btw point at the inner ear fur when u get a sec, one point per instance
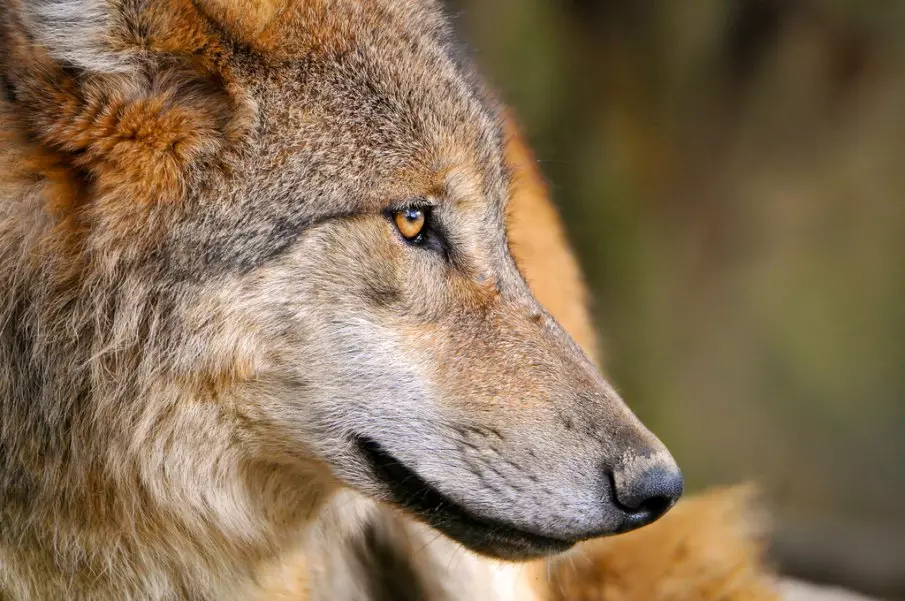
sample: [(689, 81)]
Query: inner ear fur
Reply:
[(133, 96)]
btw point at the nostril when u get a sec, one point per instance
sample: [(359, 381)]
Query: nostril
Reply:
[(656, 506), (647, 496)]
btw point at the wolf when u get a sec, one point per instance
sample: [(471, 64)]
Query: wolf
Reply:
[(256, 273)]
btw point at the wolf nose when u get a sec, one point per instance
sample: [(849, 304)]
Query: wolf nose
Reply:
[(647, 493)]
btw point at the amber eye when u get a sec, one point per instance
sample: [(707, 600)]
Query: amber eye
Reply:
[(410, 223)]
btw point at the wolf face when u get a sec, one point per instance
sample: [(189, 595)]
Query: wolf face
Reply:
[(431, 378), (288, 218)]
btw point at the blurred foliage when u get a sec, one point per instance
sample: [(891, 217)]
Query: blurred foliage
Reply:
[(732, 175)]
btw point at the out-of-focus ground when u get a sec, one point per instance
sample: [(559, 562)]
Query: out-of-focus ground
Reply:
[(733, 175)]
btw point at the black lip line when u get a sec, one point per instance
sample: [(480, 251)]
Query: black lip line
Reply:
[(413, 493)]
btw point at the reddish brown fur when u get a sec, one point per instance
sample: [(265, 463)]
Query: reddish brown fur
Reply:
[(707, 550), (249, 20)]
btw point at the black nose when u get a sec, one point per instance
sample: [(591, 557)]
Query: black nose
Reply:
[(647, 494)]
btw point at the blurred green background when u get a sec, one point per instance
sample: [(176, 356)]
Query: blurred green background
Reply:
[(732, 173)]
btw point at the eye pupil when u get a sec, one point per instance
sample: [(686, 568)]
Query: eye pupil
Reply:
[(410, 222)]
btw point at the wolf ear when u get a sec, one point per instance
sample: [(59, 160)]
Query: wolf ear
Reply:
[(120, 92)]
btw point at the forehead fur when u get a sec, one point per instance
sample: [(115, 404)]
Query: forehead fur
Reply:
[(257, 118), (361, 99)]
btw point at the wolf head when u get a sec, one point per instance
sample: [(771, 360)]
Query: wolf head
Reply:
[(268, 240)]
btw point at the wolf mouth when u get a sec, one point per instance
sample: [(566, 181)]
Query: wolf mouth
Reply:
[(483, 535)]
